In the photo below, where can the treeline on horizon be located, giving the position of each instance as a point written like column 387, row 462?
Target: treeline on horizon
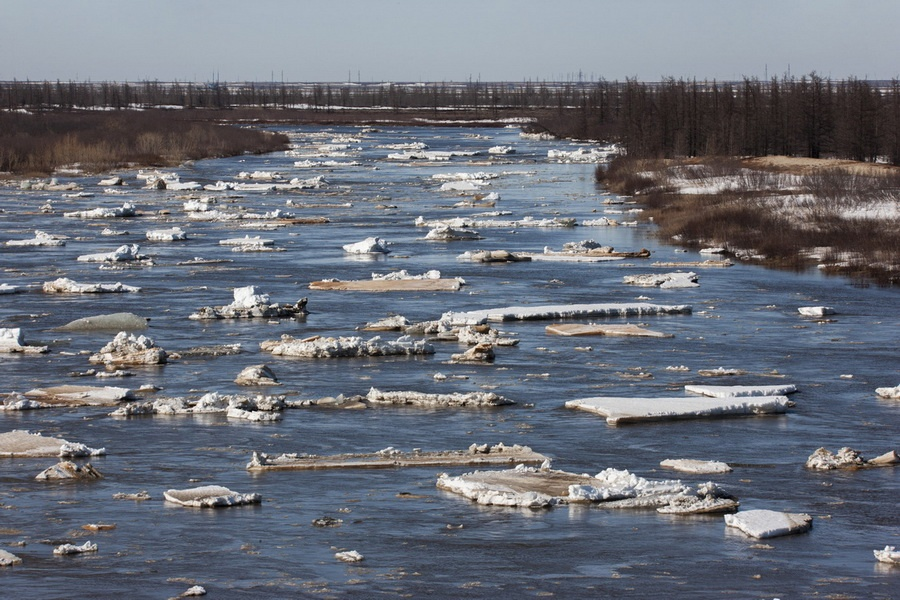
column 807, row 116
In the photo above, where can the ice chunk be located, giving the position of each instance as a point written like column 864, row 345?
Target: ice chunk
column 663, row 280
column 725, row 391
column 687, row 465
column 459, row 399
column 815, row 311
column 66, row 549
column 349, row 556
column 123, row 321
column 8, row 558
column 888, row 392
column 769, row 523
column 330, row 347
column 64, row 285
column 166, row 235
column 564, row 311
column 128, row 349
column 69, row 470
column 619, row 410
column 889, row 555
column 210, row 496
column 370, row 245
column 12, row 340
column 41, row 238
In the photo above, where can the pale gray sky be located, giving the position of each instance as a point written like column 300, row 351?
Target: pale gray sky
column 452, row 40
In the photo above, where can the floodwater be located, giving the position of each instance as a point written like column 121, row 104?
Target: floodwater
column 418, row 540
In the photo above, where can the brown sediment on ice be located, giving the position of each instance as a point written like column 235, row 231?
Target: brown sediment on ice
column 475, row 455
column 381, row 285
column 574, row 329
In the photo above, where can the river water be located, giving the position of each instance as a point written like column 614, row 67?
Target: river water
column 418, row 540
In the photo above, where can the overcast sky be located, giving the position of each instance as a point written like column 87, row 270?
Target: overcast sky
column 450, row 40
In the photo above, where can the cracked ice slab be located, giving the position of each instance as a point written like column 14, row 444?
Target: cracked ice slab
column 630, row 410
column 565, row 311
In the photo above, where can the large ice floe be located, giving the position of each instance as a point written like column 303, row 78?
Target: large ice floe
column 663, row 280
column 123, row 321
column 618, row 410
column 458, row 399
column 257, row 408
column 848, row 458
column 124, row 253
column 342, row 347
column 76, row 395
column 475, row 455
column 397, row 281
column 474, row 223
column 564, row 311
column 769, row 523
column 128, row 349
column 124, row 211
column 12, row 340
column 492, row 256
column 20, row 443
column 64, row 285
column 41, row 238
column 583, row 155
column 247, row 304
column 210, row 496
column 530, row 487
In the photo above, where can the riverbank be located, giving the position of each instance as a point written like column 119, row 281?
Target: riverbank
column 840, row 216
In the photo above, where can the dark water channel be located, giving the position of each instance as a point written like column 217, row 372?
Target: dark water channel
column 416, row 539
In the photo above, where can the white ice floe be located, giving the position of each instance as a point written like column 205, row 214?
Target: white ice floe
column 583, row 155
column 257, row 375
column 530, row 487
column 21, row 443
column 404, row 275
column 563, row 311
column 629, row 410
column 123, row 321
column 769, row 523
column 248, row 303
column 325, row 164
column 815, row 311
column 349, row 556
column 8, row 558
column 501, row 150
column 128, row 349
column 460, row 399
column 370, row 245
column 247, row 240
column 472, row 185
column 492, row 256
column 265, row 175
column 888, row 392
column 67, row 549
column 124, row 253
column 734, row 391
column 6, row 288
column 529, row 221
column 166, row 235
column 12, row 340
column 687, row 465
column 41, row 238
column 889, row 555
column 445, row 233
column 126, row 210
column 64, row 285
column 233, row 405
column 210, row 496
column 392, row 323
column 663, row 280
column 115, row 180
column 848, row 458
column 78, row 395
column 330, row 347
column 432, row 155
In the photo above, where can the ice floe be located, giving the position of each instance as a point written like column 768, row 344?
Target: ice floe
column 815, row 311
column 564, row 311
column 458, row 399
column 171, row 234
column 726, row 391
column 395, row 281
column 78, row 395
column 247, row 304
column 124, row 211
column 12, row 340
column 492, row 256
column 210, row 496
column 8, row 559
column 619, row 410
column 257, row 375
column 67, row 549
column 20, row 443
column 688, row 465
column 848, row 458
column 663, row 280
column 123, row 321
column 769, row 523
column 232, row 405
column 128, row 349
column 41, row 238
column 370, row 245
column 69, row 470
column 889, row 555
column 350, row 556
column 475, row 455
column 888, row 392
column 64, row 285
column 124, row 253
column 446, row 233
column 340, row 347
column 482, row 352
column 628, row 330
column 530, row 487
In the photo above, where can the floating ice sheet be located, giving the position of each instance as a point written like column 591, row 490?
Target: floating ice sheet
column 619, row 410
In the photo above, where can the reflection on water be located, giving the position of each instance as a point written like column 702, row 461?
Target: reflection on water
column 417, row 540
